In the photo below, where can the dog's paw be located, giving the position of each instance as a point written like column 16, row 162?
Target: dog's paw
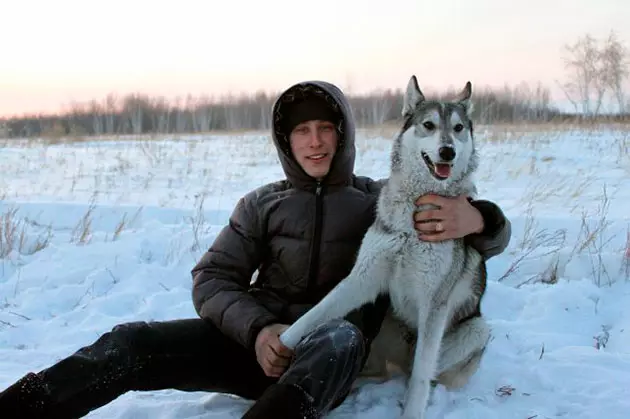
column 412, row 413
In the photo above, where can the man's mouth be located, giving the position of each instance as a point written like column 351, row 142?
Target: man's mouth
column 439, row 171
column 317, row 157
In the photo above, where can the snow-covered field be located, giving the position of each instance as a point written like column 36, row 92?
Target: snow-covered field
column 103, row 232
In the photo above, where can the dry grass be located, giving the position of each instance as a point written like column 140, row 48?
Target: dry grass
column 601, row 339
column 593, row 240
column 596, row 239
column 622, row 144
column 60, row 139
column 14, row 236
column 536, row 243
column 119, row 227
column 556, row 126
column 82, row 232
column 502, row 131
column 124, row 223
column 625, row 258
column 197, row 222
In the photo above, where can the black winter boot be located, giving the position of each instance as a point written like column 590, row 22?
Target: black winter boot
column 282, row 401
column 26, row 398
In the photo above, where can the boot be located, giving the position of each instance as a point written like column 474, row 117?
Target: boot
column 26, row 398
column 282, row 401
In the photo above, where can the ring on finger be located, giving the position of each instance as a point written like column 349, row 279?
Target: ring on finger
column 439, row 227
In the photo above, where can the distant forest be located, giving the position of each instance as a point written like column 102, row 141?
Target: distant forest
column 142, row 114
column 597, row 71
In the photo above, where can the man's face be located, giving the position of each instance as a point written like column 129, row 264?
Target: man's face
column 313, row 144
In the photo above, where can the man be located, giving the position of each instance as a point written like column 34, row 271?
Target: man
column 301, row 235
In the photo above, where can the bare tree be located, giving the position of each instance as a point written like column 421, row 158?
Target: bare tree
column 97, row 117
column 263, row 103
column 201, row 113
column 542, row 102
column 110, row 113
column 381, row 106
column 160, row 115
column 231, row 116
column 585, row 86
column 133, row 109
column 181, row 122
column 76, row 118
column 615, row 64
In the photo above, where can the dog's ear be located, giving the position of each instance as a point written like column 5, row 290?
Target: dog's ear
column 464, row 98
column 413, row 96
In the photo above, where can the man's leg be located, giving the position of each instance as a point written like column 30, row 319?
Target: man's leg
column 190, row 355
column 327, row 361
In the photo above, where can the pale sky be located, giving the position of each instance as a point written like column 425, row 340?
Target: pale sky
column 58, row 51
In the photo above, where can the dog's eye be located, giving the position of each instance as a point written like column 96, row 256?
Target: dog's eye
column 429, row 125
column 458, row 127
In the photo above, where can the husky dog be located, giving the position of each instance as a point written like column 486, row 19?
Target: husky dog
column 434, row 329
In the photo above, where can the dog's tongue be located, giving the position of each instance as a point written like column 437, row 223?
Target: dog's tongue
column 442, row 170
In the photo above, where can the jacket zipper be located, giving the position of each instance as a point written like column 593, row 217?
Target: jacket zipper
column 313, row 266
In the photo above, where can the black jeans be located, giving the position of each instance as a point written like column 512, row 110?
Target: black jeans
column 189, row 355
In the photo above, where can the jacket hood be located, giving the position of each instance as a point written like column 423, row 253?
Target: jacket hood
column 342, row 166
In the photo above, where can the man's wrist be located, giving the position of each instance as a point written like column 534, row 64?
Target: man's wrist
column 491, row 215
column 481, row 227
column 258, row 329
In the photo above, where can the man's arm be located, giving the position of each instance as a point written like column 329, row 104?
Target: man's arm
column 497, row 231
column 221, row 278
column 494, row 238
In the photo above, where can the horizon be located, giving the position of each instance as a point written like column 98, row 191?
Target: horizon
column 165, row 51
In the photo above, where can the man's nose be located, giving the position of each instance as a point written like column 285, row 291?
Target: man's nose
column 315, row 139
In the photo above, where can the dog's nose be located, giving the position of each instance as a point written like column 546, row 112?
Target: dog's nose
column 447, row 153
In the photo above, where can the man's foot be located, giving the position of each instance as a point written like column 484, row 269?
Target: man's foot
column 282, row 401
column 26, row 398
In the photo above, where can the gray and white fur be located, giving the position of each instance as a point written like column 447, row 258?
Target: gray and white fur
column 434, row 329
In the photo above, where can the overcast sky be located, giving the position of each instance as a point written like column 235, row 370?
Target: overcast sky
column 55, row 52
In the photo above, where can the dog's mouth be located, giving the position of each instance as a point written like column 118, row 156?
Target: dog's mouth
column 439, row 171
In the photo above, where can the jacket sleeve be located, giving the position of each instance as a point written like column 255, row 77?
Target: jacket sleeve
column 497, row 232
column 222, row 277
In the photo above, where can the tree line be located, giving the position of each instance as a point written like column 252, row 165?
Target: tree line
column 596, row 71
column 142, row 114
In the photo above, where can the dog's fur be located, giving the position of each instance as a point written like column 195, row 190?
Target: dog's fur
column 434, row 329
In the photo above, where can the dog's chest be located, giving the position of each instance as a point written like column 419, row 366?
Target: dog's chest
column 421, row 270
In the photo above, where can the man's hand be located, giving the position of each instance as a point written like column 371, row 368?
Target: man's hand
column 272, row 355
column 455, row 218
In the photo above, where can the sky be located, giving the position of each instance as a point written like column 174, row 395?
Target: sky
column 57, row 52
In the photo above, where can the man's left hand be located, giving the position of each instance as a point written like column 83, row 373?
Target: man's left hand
column 454, row 218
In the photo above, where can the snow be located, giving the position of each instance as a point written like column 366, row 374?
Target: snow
column 561, row 339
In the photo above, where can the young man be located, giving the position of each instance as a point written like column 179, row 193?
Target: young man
column 301, row 234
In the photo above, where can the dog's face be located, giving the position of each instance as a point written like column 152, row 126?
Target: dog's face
column 437, row 135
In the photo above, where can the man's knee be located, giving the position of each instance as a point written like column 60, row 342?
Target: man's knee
column 341, row 335
column 123, row 342
column 327, row 362
column 128, row 330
